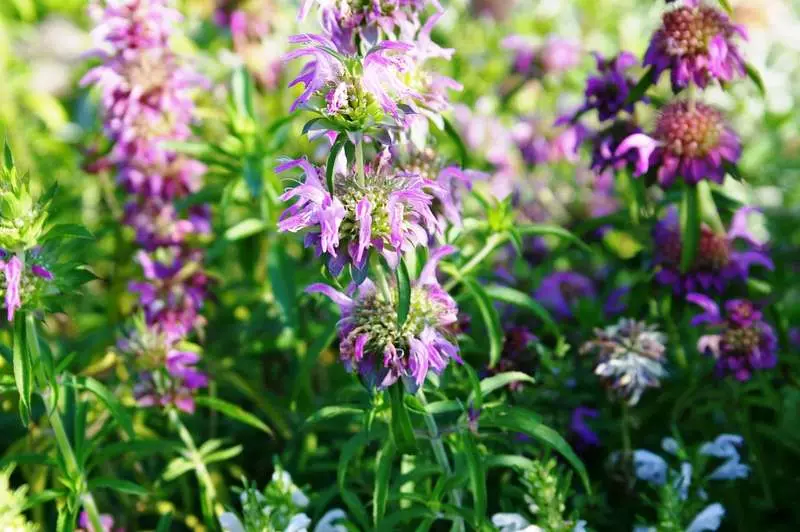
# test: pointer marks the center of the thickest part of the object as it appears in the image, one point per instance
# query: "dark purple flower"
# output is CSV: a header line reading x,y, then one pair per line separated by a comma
x,y
718,262
559,292
691,140
605,144
374,346
518,354
697,44
542,144
744,342
578,425
608,92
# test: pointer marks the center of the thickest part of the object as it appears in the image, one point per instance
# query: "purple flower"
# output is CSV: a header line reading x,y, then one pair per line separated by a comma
x,y
608,92
554,56
540,144
559,292
691,140
718,262
743,343
605,144
105,520
388,212
517,355
586,436
373,345
697,44
12,277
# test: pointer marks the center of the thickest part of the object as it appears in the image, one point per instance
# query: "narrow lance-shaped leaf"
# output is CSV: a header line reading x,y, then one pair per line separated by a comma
x,y
403,293
23,369
490,318
242,93
690,226
234,412
111,402
8,157
523,301
755,76
647,81
477,477
402,431
338,144
463,154
383,471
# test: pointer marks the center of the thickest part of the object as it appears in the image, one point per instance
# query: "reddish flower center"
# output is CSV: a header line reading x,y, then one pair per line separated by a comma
x,y
689,30
689,130
714,251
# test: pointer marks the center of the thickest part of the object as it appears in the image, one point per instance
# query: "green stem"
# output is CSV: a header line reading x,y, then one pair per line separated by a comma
x,y
362,179
62,440
383,282
203,477
439,452
493,242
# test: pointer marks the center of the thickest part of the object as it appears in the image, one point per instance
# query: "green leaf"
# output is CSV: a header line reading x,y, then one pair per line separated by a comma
x,y
648,80
490,319
8,156
338,144
281,270
495,382
63,231
234,412
321,342
329,412
755,76
522,300
726,5
383,471
165,523
463,154
245,228
477,477
253,171
43,356
401,428
114,406
26,459
116,484
690,226
553,230
518,419
223,455
177,467
403,293
138,448
23,369
242,92
510,461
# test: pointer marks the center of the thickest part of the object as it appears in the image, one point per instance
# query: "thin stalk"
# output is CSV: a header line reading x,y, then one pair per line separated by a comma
x,y
440,453
383,282
203,477
692,96
492,243
62,440
362,177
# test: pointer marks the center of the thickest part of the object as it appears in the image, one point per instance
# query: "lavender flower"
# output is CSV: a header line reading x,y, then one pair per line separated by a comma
x,y
388,212
718,261
691,140
539,144
697,44
630,357
22,283
578,426
605,144
377,348
608,92
554,56
105,519
744,342
709,518
561,291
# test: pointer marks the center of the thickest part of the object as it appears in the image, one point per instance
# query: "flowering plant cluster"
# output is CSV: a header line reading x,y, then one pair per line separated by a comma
x,y
370,265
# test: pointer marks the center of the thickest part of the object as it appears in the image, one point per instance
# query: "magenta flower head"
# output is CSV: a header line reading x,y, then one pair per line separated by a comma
x,y
608,92
382,351
743,343
697,44
605,143
106,520
691,140
386,211
720,260
21,284
559,292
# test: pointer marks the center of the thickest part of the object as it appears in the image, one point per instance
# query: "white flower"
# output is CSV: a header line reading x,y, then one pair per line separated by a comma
x,y
507,522
724,446
326,524
649,467
298,523
284,480
230,523
708,519
684,480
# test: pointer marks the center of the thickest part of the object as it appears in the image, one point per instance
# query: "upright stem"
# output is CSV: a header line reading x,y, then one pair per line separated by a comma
x,y
62,440
383,283
439,452
362,178
692,90
491,244
203,477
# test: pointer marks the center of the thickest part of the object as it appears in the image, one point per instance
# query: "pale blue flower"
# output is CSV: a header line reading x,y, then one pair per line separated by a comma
x,y
649,467
730,470
709,519
684,480
508,522
724,446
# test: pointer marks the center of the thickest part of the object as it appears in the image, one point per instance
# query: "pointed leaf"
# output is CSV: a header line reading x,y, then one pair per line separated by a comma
x,y
501,380
245,228
477,477
329,412
338,144
690,226
111,402
490,319
647,81
755,76
383,471
63,231
522,300
403,293
23,369
463,154
401,428
116,484
234,412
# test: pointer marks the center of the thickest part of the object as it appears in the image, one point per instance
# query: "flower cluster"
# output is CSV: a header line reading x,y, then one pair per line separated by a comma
x,y
13,503
279,508
743,343
630,357
380,349
147,102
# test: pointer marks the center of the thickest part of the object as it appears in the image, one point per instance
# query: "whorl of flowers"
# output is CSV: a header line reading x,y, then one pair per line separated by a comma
x,y
382,210
743,342
560,292
146,102
697,44
630,357
718,261
608,92
691,140
383,351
